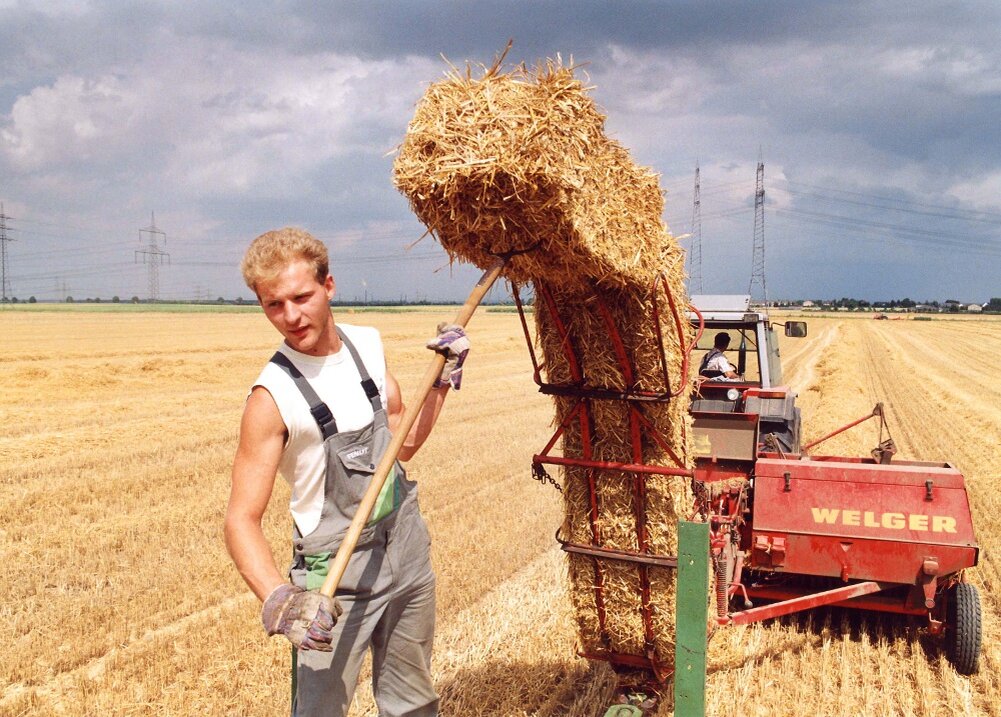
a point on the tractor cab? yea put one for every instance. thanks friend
(753, 349)
(737, 419)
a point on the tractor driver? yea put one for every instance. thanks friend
(322, 412)
(714, 365)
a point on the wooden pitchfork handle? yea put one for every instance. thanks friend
(340, 561)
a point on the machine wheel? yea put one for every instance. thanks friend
(963, 628)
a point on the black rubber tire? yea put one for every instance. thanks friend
(963, 628)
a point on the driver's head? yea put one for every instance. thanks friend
(721, 341)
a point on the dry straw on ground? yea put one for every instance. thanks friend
(109, 528)
(497, 162)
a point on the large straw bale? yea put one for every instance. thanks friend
(502, 162)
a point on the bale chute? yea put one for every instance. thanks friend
(518, 164)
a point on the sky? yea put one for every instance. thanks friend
(876, 122)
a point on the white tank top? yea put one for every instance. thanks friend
(336, 381)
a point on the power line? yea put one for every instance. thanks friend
(82, 272)
(925, 208)
(337, 261)
(903, 236)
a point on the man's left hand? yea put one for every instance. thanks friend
(453, 343)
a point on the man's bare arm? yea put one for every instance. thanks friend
(262, 436)
(425, 419)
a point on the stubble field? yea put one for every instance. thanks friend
(117, 436)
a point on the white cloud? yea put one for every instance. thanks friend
(73, 120)
(396, 234)
(653, 81)
(214, 120)
(984, 192)
(963, 70)
(50, 8)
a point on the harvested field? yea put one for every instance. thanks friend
(119, 429)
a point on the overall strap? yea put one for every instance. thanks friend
(713, 353)
(367, 384)
(319, 410)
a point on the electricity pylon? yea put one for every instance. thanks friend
(695, 255)
(153, 256)
(758, 252)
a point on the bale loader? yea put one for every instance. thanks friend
(790, 528)
(793, 529)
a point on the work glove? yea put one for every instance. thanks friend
(451, 342)
(305, 618)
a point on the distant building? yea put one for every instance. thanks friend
(807, 304)
(975, 308)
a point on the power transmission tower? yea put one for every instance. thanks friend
(695, 256)
(758, 253)
(4, 280)
(153, 256)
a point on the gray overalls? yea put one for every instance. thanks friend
(388, 587)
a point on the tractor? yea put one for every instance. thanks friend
(792, 529)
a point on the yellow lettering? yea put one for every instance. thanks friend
(825, 515)
(891, 521)
(943, 524)
(894, 520)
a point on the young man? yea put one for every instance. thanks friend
(322, 412)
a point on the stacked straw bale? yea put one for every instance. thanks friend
(510, 161)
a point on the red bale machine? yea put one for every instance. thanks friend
(792, 529)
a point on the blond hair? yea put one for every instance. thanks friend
(272, 251)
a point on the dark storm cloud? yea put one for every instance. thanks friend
(233, 118)
(465, 30)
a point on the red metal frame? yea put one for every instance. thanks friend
(877, 601)
(805, 602)
(876, 411)
(639, 427)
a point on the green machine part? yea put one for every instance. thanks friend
(692, 617)
(295, 675)
(623, 711)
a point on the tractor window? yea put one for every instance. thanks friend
(742, 351)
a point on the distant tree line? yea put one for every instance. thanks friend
(853, 304)
(847, 303)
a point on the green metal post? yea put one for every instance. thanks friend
(295, 676)
(692, 611)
